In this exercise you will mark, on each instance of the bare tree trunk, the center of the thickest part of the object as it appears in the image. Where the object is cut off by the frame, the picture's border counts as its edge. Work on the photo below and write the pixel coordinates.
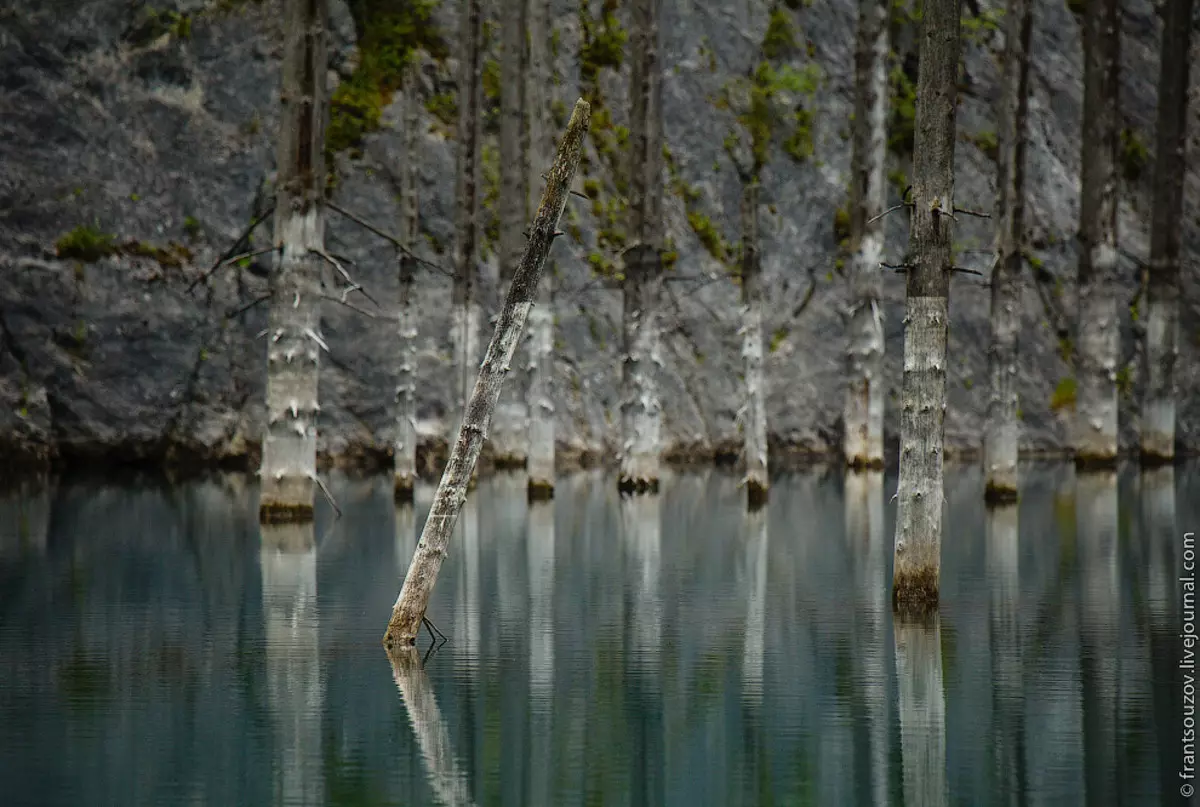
(410, 606)
(508, 443)
(754, 419)
(923, 401)
(467, 315)
(863, 444)
(641, 409)
(1001, 431)
(1162, 326)
(539, 402)
(922, 706)
(289, 457)
(1098, 328)
(405, 450)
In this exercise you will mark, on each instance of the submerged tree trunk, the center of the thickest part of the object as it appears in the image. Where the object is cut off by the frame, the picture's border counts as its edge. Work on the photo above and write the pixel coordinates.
(289, 457)
(1001, 431)
(923, 401)
(863, 441)
(508, 442)
(922, 706)
(410, 606)
(466, 323)
(1162, 325)
(754, 420)
(405, 450)
(1098, 328)
(641, 409)
(539, 402)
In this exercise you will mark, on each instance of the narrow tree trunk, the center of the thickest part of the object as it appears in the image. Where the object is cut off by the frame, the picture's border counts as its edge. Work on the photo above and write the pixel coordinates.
(508, 443)
(1098, 328)
(405, 450)
(863, 438)
(755, 416)
(1001, 432)
(923, 401)
(289, 457)
(1162, 326)
(452, 490)
(641, 410)
(922, 706)
(539, 402)
(466, 314)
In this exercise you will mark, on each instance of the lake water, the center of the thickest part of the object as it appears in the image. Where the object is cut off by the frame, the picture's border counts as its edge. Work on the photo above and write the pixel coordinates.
(156, 648)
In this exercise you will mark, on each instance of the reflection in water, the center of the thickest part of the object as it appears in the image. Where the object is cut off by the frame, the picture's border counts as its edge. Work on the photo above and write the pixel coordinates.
(641, 530)
(25, 516)
(922, 706)
(1003, 552)
(540, 555)
(294, 688)
(755, 563)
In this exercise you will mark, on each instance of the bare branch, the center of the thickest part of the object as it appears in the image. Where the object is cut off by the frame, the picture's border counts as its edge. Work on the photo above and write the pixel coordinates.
(256, 301)
(891, 209)
(342, 301)
(976, 213)
(226, 262)
(332, 261)
(965, 271)
(896, 267)
(321, 484)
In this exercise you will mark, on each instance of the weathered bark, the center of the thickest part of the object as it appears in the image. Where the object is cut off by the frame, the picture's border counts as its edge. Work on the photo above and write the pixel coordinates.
(541, 557)
(289, 458)
(449, 782)
(754, 416)
(404, 457)
(865, 393)
(1170, 168)
(1008, 700)
(922, 707)
(1095, 429)
(539, 401)
(508, 441)
(466, 311)
(641, 409)
(1001, 429)
(923, 400)
(452, 490)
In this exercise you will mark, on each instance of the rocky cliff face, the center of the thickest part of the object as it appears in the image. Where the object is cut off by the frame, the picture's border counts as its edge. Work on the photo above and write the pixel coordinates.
(136, 142)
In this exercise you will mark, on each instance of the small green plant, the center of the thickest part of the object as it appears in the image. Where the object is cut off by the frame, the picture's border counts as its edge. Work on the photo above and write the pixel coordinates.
(988, 143)
(903, 118)
(444, 107)
(86, 243)
(191, 226)
(708, 234)
(841, 226)
(777, 339)
(779, 40)
(1133, 155)
(1064, 394)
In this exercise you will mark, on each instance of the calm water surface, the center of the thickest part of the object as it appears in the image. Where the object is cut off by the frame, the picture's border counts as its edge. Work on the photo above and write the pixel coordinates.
(156, 648)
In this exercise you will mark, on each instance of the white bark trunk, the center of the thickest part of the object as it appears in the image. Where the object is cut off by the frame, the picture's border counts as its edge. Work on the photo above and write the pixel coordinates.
(865, 393)
(289, 457)
(404, 458)
(1003, 564)
(754, 419)
(465, 336)
(541, 557)
(406, 535)
(410, 606)
(922, 707)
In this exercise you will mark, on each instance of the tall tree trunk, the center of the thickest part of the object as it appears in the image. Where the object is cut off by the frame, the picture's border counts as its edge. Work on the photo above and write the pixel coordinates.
(289, 457)
(410, 606)
(923, 401)
(754, 420)
(863, 441)
(641, 409)
(467, 315)
(1001, 432)
(405, 450)
(539, 402)
(508, 443)
(1098, 328)
(1162, 327)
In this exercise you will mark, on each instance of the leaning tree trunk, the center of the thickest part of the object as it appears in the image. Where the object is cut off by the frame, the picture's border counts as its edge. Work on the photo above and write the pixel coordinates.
(539, 402)
(641, 410)
(466, 323)
(863, 441)
(289, 457)
(410, 606)
(1162, 327)
(923, 400)
(405, 450)
(1001, 430)
(1098, 328)
(508, 443)
(754, 418)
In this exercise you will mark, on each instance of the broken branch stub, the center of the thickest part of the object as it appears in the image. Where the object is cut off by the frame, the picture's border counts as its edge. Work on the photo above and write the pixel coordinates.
(410, 606)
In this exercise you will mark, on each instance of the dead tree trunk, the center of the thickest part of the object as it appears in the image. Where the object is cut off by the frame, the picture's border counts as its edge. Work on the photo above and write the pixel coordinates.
(754, 416)
(1001, 431)
(289, 457)
(641, 409)
(539, 402)
(1162, 324)
(863, 441)
(508, 443)
(465, 303)
(405, 450)
(1098, 333)
(923, 400)
(410, 606)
